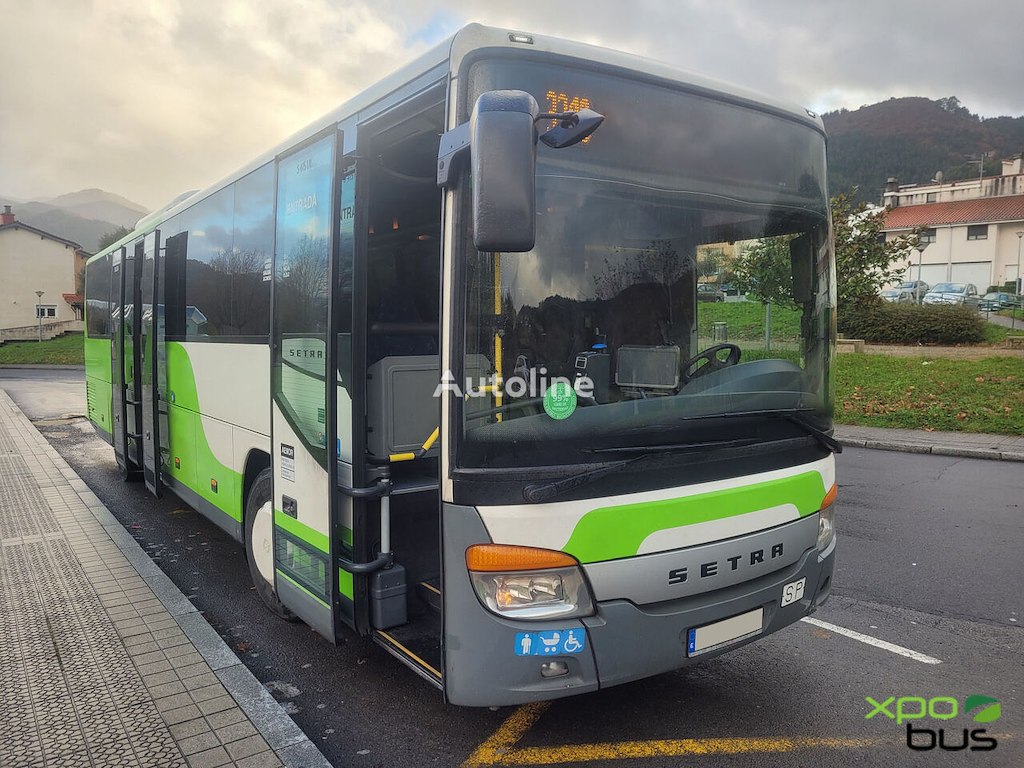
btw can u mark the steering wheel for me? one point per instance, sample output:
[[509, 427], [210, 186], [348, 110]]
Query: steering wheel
[[712, 361]]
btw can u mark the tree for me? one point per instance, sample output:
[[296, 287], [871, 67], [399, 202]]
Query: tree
[[112, 237], [763, 270], [709, 262], [865, 261]]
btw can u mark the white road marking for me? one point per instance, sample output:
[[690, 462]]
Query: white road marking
[[898, 649]]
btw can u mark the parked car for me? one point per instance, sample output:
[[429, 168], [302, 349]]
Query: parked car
[[953, 293], [709, 292], [994, 301], [898, 295], [917, 288]]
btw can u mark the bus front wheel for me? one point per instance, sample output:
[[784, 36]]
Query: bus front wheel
[[259, 542]]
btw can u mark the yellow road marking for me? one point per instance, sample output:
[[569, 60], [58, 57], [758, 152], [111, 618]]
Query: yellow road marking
[[632, 750], [500, 749], [494, 750]]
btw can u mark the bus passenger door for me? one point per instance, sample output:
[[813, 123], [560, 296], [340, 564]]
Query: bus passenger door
[[150, 320], [127, 388], [303, 425]]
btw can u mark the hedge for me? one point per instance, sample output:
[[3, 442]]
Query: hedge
[[884, 323]]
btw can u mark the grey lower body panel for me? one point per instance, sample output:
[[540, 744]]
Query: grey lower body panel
[[632, 642], [624, 641], [221, 519]]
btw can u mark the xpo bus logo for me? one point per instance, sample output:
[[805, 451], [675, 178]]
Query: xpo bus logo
[[920, 737]]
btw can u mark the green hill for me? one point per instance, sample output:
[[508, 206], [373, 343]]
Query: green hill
[[911, 139]]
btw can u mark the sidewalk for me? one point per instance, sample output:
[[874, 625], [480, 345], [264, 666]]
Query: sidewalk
[[965, 444], [103, 661]]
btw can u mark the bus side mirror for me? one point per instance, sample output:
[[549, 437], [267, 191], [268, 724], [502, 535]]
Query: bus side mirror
[[503, 162]]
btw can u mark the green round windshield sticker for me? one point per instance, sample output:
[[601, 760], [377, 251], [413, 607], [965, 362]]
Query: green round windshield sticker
[[560, 400]]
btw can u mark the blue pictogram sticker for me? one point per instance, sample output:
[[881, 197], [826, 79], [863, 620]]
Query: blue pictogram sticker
[[550, 642]]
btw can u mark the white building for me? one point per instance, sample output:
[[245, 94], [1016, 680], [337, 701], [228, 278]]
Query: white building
[[32, 260], [973, 228]]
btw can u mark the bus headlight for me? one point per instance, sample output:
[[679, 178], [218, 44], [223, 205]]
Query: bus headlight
[[826, 521], [528, 583]]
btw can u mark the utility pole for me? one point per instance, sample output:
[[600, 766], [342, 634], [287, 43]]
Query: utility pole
[[920, 252], [1018, 286], [39, 315], [981, 169]]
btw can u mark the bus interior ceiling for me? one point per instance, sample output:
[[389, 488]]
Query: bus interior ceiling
[[403, 308]]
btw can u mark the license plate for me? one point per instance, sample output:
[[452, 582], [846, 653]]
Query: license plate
[[793, 591], [710, 637]]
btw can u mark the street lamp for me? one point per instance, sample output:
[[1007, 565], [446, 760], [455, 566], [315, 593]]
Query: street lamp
[[39, 315], [920, 252], [1013, 315]]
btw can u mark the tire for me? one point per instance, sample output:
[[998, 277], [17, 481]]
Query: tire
[[259, 545]]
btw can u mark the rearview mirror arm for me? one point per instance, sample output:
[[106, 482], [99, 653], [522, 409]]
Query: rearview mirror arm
[[454, 144]]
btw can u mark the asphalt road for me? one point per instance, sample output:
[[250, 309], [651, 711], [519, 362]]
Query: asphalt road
[[929, 561]]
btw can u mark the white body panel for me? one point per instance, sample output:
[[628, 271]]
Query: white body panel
[[551, 525]]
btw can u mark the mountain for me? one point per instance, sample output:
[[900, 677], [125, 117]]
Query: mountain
[[83, 216], [97, 204], [913, 138]]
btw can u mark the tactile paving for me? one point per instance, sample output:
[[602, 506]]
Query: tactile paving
[[71, 693]]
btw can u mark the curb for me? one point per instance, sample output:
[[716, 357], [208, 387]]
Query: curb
[[42, 367], [990, 454], [284, 737]]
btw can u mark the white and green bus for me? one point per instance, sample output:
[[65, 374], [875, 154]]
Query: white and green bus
[[439, 362]]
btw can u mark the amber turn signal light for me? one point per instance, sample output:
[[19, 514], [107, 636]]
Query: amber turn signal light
[[506, 558]]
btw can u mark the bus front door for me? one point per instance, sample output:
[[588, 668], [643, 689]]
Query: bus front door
[[302, 404]]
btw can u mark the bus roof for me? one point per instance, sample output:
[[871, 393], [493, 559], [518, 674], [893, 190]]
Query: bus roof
[[447, 58]]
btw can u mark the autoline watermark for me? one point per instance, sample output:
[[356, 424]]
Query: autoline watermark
[[535, 385]]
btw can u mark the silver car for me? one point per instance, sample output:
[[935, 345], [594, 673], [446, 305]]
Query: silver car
[[898, 295], [917, 288], [953, 293]]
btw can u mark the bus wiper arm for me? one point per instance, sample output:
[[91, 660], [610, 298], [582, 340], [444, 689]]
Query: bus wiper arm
[[820, 435], [675, 447], [536, 493]]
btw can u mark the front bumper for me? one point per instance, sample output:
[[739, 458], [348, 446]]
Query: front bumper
[[624, 640], [632, 642]]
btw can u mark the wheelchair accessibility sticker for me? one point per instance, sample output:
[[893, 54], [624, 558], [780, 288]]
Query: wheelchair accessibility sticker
[[550, 642]]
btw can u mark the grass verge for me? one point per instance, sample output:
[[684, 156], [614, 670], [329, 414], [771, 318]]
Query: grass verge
[[63, 350], [745, 320], [942, 394]]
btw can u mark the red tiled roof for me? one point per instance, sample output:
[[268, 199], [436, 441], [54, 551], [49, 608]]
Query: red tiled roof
[[74, 298], [1009, 208]]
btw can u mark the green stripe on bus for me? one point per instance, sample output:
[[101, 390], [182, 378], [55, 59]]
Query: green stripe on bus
[[345, 585], [294, 583], [301, 531], [205, 465], [610, 533]]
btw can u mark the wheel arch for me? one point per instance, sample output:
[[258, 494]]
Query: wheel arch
[[255, 462]]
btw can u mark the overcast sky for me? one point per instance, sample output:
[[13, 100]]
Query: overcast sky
[[147, 98]]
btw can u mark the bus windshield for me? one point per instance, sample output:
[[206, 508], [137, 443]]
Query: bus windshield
[[602, 337]]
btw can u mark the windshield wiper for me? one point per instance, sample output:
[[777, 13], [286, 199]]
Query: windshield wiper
[[538, 492], [820, 435], [665, 447], [793, 417]]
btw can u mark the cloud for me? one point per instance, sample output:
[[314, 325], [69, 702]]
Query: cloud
[[149, 97]]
